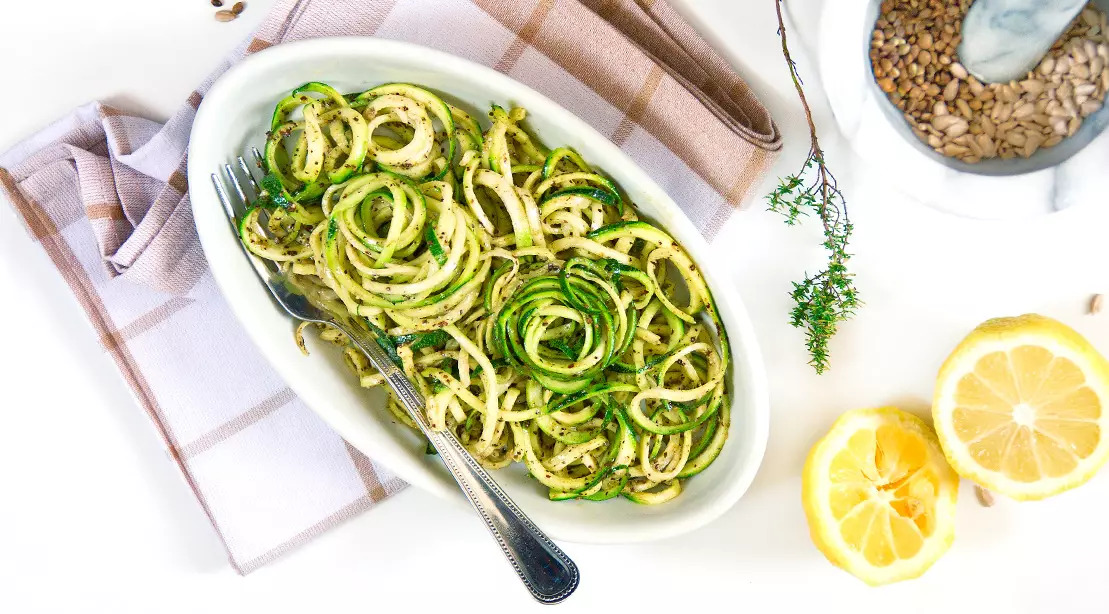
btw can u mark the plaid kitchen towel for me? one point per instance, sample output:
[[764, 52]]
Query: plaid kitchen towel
[[104, 193]]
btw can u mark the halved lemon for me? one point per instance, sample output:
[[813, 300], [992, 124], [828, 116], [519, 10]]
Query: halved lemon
[[879, 496], [1020, 407]]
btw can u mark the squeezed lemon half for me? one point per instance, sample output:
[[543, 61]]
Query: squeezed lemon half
[[1020, 407], [879, 496]]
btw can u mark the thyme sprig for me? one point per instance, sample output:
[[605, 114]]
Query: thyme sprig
[[829, 297]]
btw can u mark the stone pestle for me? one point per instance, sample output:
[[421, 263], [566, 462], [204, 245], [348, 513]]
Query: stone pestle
[[1004, 39]]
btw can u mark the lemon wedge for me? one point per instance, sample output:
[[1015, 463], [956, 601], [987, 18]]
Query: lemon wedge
[[1020, 407], [879, 496]]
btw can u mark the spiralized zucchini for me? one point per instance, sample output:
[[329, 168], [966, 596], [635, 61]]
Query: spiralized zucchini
[[542, 320]]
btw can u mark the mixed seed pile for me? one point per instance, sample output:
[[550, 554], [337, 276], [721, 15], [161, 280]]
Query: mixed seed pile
[[913, 53]]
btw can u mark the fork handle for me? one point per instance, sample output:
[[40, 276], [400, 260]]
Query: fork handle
[[544, 568], [546, 571]]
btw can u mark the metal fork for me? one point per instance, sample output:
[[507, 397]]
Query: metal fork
[[543, 567]]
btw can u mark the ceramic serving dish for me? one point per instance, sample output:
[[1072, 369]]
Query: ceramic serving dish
[[235, 115]]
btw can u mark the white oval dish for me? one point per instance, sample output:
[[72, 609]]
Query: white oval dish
[[235, 115]]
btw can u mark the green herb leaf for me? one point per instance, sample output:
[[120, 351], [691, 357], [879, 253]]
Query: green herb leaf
[[386, 343], [274, 192], [829, 297], [562, 346], [433, 244], [422, 340]]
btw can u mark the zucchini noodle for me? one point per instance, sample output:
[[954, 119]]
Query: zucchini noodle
[[543, 321]]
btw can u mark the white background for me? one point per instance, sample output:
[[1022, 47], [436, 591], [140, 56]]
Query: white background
[[94, 517]]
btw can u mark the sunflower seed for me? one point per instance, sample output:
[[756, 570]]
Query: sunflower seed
[[974, 146], [1016, 139], [1032, 86], [964, 108], [957, 129], [1031, 145], [1024, 110], [1078, 54], [951, 90], [985, 497], [1003, 112], [1097, 65], [988, 127], [976, 88], [1090, 16], [986, 146], [943, 122]]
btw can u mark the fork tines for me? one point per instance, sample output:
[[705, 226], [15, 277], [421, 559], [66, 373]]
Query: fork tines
[[236, 184]]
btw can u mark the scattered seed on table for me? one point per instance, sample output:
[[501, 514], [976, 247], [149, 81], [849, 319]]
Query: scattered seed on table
[[225, 15], [239, 7], [985, 497]]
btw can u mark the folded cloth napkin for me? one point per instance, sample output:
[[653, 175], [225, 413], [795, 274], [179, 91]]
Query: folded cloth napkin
[[104, 193]]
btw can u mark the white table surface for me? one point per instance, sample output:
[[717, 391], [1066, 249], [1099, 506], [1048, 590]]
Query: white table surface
[[93, 517]]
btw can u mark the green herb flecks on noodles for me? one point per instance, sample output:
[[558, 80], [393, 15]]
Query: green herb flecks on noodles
[[515, 286]]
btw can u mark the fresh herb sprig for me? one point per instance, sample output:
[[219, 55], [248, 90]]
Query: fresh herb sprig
[[829, 297]]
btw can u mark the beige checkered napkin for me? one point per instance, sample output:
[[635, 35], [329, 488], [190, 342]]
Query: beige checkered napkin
[[105, 195]]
